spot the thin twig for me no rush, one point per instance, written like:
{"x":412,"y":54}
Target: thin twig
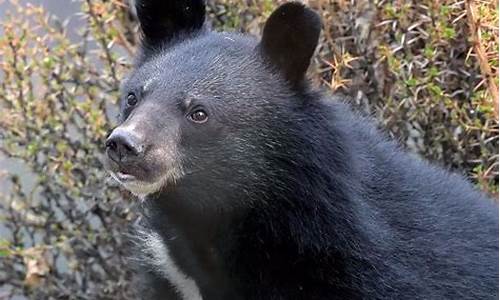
{"x":481,"y":54}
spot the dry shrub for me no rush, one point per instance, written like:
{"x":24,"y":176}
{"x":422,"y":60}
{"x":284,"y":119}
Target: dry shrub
{"x":62,"y":237}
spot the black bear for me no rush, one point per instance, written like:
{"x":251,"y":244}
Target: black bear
{"x":257,"y":186}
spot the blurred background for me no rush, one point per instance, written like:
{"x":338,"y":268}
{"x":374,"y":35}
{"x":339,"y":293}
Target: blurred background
{"x":426,"y":70}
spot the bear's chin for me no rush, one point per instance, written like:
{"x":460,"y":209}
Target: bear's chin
{"x":141,"y":188}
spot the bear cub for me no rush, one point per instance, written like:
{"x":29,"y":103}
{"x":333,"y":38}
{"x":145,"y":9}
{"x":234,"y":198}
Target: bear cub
{"x":254,"y":185}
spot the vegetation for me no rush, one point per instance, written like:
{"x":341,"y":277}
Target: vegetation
{"x":427,"y":70}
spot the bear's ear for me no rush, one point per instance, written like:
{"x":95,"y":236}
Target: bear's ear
{"x":289,"y":39}
{"x":163,"y":20}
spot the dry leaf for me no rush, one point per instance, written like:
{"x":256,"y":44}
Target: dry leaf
{"x":37,"y":265}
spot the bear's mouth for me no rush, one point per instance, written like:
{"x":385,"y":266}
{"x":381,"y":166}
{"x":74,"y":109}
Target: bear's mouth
{"x":139,"y":179}
{"x":119,"y":173}
{"x":133,"y":182}
{"x":136,"y":186}
{"x":124,"y":176}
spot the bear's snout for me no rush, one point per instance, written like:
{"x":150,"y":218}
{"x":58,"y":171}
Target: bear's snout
{"x":123,"y":146}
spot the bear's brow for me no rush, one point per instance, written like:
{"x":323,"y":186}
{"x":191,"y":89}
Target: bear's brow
{"x":187,"y":100}
{"x":148,"y":84}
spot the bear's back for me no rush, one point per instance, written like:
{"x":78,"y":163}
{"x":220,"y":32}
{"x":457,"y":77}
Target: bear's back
{"x":429,"y":223}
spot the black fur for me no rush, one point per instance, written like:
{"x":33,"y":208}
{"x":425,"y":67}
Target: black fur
{"x":287,"y":193}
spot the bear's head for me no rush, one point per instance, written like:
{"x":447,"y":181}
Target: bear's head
{"x":208,"y":108}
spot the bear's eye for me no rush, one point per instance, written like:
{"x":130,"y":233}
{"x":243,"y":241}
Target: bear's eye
{"x":198,"y":116}
{"x":131,"y":99}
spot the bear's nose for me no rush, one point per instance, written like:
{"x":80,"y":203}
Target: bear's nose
{"x":122,"y":145}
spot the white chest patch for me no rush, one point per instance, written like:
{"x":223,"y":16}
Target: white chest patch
{"x":158,"y":256}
